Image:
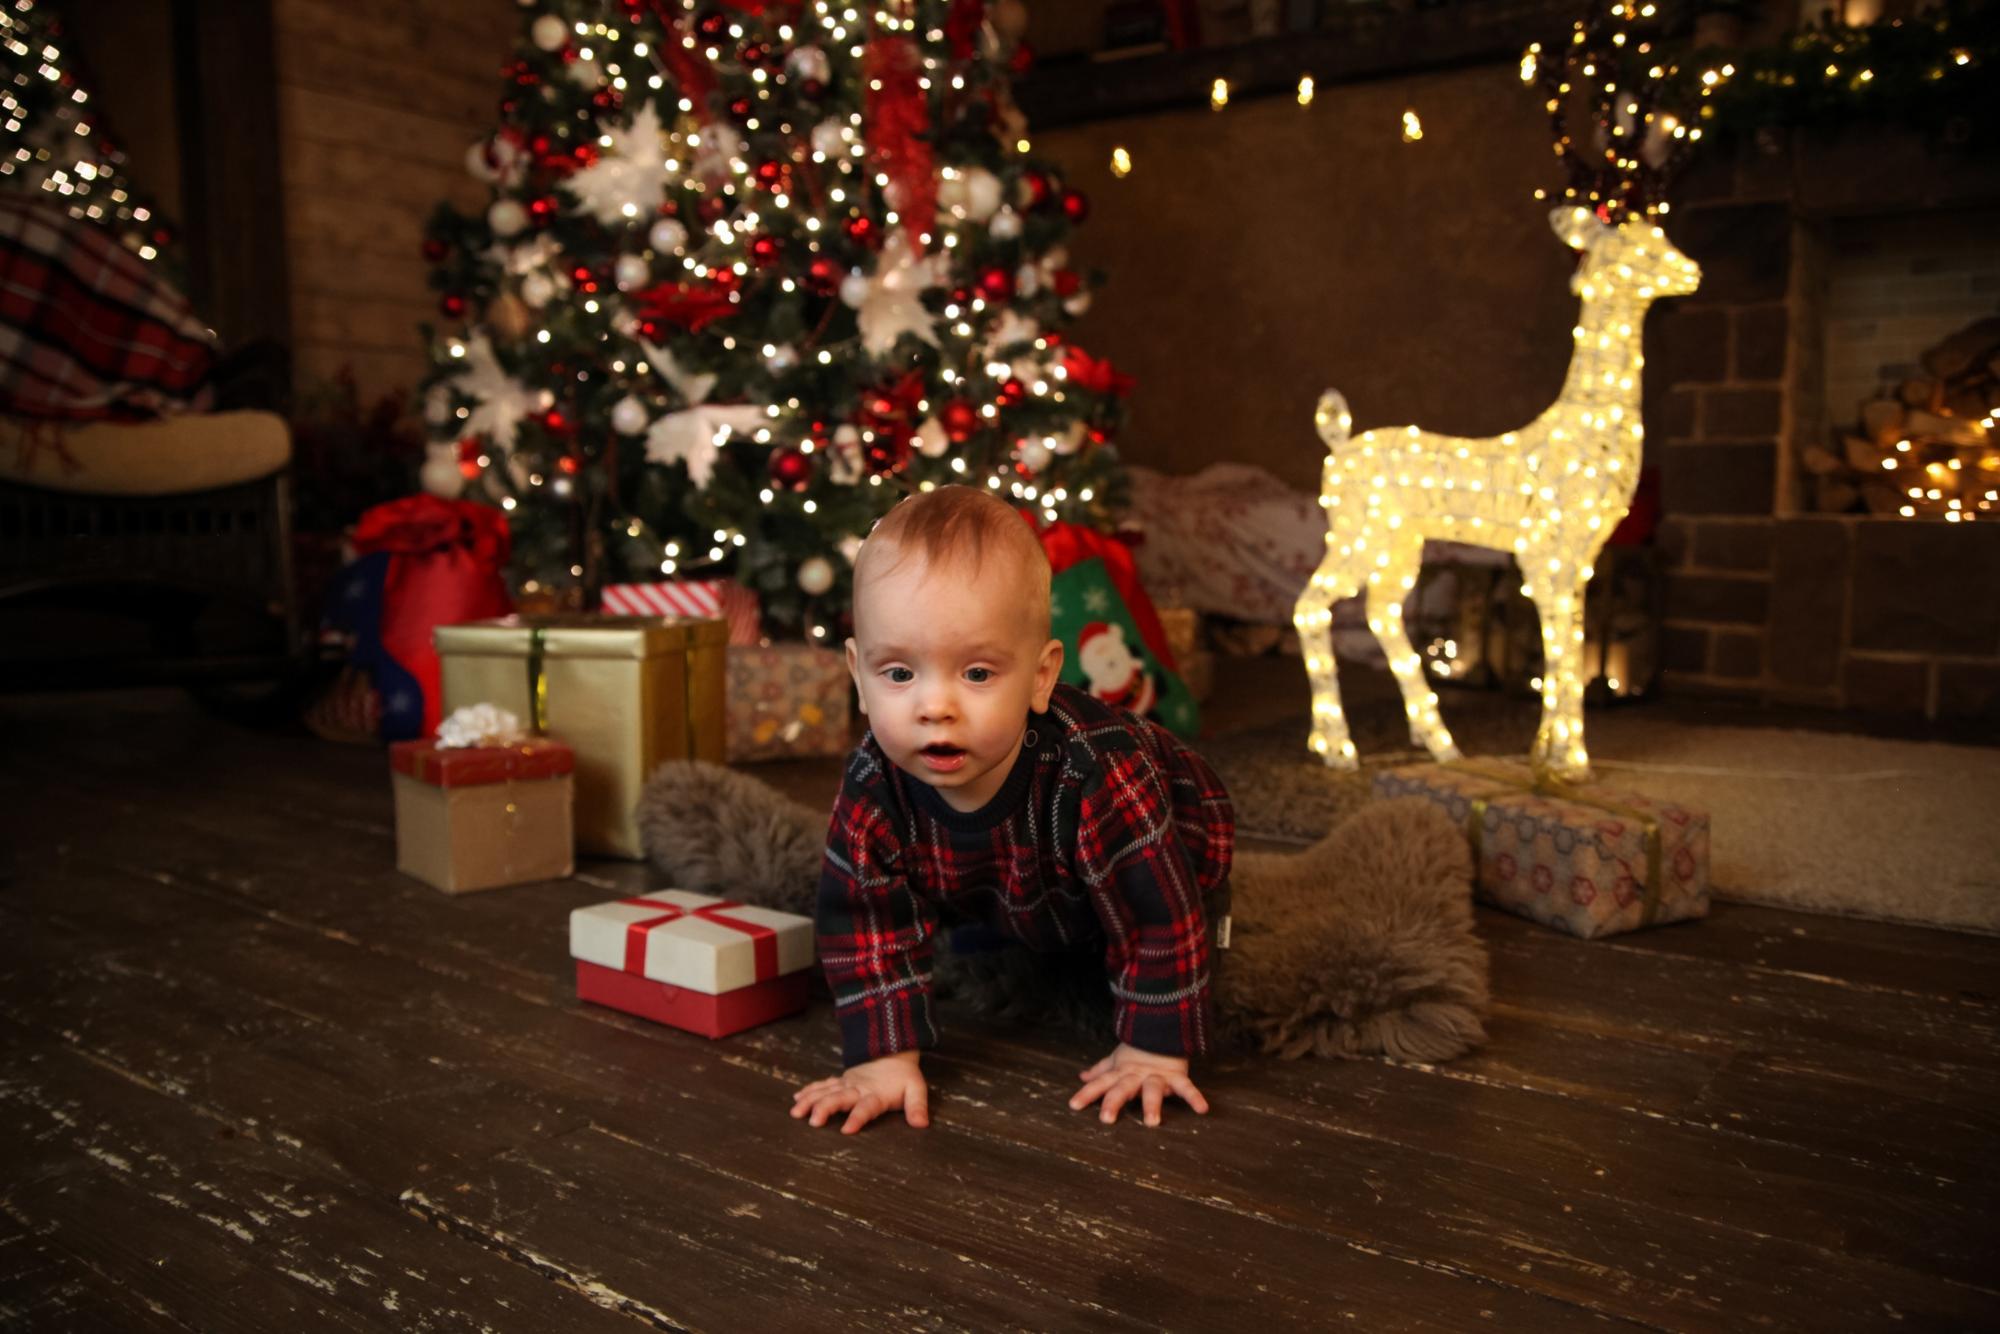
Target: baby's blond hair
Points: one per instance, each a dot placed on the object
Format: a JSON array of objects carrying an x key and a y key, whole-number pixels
[{"x": 958, "y": 523}]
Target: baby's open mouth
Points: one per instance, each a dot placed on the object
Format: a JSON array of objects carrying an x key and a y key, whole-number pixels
[{"x": 942, "y": 756}]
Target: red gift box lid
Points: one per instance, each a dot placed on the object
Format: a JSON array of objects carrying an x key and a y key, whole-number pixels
[{"x": 468, "y": 766}]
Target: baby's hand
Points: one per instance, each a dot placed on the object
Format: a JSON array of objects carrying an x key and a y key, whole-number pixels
[
  {"x": 1127, "y": 1071},
  {"x": 869, "y": 1089}
]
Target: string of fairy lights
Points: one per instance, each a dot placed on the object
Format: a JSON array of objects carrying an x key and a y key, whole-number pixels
[{"x": 50, "y": 141}]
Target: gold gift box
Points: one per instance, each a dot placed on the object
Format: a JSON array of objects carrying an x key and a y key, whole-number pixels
[{"x": 626, "y": 693}]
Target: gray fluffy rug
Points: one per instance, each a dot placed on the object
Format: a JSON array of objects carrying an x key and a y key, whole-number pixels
[{"x": 1360, "y": 944}]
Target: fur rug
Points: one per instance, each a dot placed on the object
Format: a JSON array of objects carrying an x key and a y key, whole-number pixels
[{"x": 1361, "y": 944}]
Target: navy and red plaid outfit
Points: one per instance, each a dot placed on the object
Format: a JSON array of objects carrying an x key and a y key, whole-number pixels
[{"x": 1108, "y": 834}]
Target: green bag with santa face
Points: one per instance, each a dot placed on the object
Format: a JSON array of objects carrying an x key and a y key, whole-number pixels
[{"x": 1113, "y": 644}]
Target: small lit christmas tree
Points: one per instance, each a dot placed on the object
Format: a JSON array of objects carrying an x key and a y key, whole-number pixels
[
  {"x": 750, "y": 271},
  {"x": 50, "y": 142}
]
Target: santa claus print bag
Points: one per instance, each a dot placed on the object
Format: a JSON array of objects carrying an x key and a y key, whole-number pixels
[{"x": 1113, "y": 643}]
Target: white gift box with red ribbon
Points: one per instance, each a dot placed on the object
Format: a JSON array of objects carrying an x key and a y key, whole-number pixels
[
  {"x": 710, "y": 599},
  {"x": 693, "y": 941}
]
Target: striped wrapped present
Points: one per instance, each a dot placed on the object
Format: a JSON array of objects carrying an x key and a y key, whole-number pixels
[{"x": 710, "y": 599}]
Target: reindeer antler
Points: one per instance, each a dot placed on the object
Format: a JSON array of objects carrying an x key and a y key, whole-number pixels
[{"x": 1643, "y": 148}]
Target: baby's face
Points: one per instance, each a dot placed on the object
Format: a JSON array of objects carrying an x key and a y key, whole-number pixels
[{"x": 949, "y": 663}]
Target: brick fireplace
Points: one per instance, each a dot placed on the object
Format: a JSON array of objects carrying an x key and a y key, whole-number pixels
[{"x": 1817, "y": 255}]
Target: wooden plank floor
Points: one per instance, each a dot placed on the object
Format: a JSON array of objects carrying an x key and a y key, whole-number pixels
[{"x": 252, "y": 1079}]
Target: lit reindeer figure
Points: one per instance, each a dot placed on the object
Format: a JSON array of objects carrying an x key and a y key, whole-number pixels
[{"x": 1550, "y": 493}]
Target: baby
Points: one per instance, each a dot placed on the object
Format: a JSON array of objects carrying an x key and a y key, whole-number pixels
[{"x": 987, "y": 793}]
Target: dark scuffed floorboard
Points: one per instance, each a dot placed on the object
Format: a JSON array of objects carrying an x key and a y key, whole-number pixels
[{"x": 254, "y": 1079}]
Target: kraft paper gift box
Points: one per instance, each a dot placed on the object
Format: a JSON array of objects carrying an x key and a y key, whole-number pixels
[
  {"x": 788, "y": 700},
  {"x": 1588, "y": 860},
  {"x": 708, "y": 965},
  {"x": 625, "y": 692},
  {"x": 480, "y": 817}
]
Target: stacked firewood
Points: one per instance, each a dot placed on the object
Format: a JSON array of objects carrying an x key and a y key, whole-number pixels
[{"x": 1929, "y": 448}]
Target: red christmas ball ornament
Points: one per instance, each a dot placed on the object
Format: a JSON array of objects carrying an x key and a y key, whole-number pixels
[
  {"x": 741, "y": 108},
  {"x": 961, "y": 296},
  {"x": 606, "y": 99},
  {"x": 540, "y": 145},
  {"x": 1039, "y": 188},
  {"x": 712, "y": 25},
  {"x": 770, "y": 174},
  {"x": 1066, "y": 282},
  {"x": 863, "y": 231},
  {"x": 584, "y": 155},
  {"x": 1012, "y": 392},
  {"x": 823, "y": 274},
  {"x": 435, "y": 250},
  {"x": 765, "y": 251},
  {"x": 791, "y": 469},
  {"x": 756, "y": 53},
  {"x": 1099, "y": 435},
  {"x": 996, "y": 284},
  {"x": 1075, "y": 205},
  {"x": 554, "y": 421},
  {"x": 453, "y": 305},
  {"x": 725, "y": 280},
  {"x": 543, "y": 210},
  {"x": 508, "y": 106},
  {"x": 570, "y": 464},
  {"x": 959, "y": 419}
]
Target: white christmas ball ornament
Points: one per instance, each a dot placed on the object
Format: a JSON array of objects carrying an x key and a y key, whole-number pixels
[
  {"x": 668, "y": 236},
  {"x": 537, "y": 289},
  {"x": 629, "y": 416},
  {"x": 982, "y": 194},
  {"x": 854, "y": 289},
  {"x": 829, "y": 138},
  {"x": 951, "y": 191},
  {"x": 932, "y": 439},
  {"x": 440, "y": 474},
  {"x": 1005, "y": 226},
  {"x": 632, "y": 271},
  {"x": 815, "y": 575},
  {"x": 809, "y": 62},
  {"x": 549, "y": 32},
  {"x": 507, "y": 217}
]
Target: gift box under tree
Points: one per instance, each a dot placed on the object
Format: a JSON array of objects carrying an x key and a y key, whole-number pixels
[
  {"x": 625, "y": 693},
  {"x": 704, "y": 964},
  {"x": 1589, "y": 860},
  {"x": 479, "y": 817},
  {"x": 788, "y": 700}
]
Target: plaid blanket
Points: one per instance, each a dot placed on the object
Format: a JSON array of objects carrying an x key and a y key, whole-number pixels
[{"x": 88, "y": 330}]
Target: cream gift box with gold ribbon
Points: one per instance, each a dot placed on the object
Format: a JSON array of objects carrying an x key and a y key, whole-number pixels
[{"x": 624, "y": 692}]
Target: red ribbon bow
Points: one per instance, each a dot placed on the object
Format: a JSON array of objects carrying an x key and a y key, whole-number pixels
[
  {"x": 765, "y": 940},
  {"x": 1098, "y": 376}
]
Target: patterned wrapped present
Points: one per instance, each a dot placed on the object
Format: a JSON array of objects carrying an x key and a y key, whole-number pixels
[
  {"x": 483, "y": 816},
  {"x": 703, "y": 599},
  {"x": 788, "y": 700},
  {"x": 625, "y": 692},
  {"x": 704, "y": 964},
  {"x": 1591, "y": 861}
]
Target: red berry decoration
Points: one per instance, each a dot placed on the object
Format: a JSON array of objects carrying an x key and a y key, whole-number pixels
[
  {"x": 812, "y": 90},
  {"x": 1066, "y": 282},
  {"x": 540, "y": 145},
  {"x": 863, "y": 231},
  {"x": 823, "y": 274},
  {"x": 756, "y": 53},
  {"x": 570, "y": 464},
  {"x": 606, "y": 99},
  {"x": 435, "y": 250},
  {"x": 712, "y": 25},
  {"x": 711, "y": 208},
  {"x": 886, "y": 453},
  {"x": 1013, "y": 392},
  {"x": 771, "y": 175},
  {"x": 1076, "y": 205},
  {"x": 741, "y": 108},
  {"x": 542, "y": 210},
  {"x": 554, "y": 421},
  {"x": 959, "y": 419},
  {"x": 453, "y": 305},
  {"x": 1038, "y": 188},
  {"x": 996, "y": 284},
  {"x": 1022, "y": 60},
  {"x": 765, "y": 251},
  {"x": 791, "y": 469}
]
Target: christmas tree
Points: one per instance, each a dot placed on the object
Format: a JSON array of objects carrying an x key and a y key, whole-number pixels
[
  {"x": 51, "y": 145},
  {"x": 750, "y": 272}
]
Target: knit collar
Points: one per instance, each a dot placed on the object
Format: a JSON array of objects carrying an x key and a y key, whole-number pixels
[{"x": 1003, "y": 803}]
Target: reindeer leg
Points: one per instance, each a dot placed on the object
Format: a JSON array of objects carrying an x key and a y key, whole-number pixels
[
  {"x": 1558, "y": 598},
  {"x": 1312, "y": 616},
  {"x": 1388, "y": 586}
]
